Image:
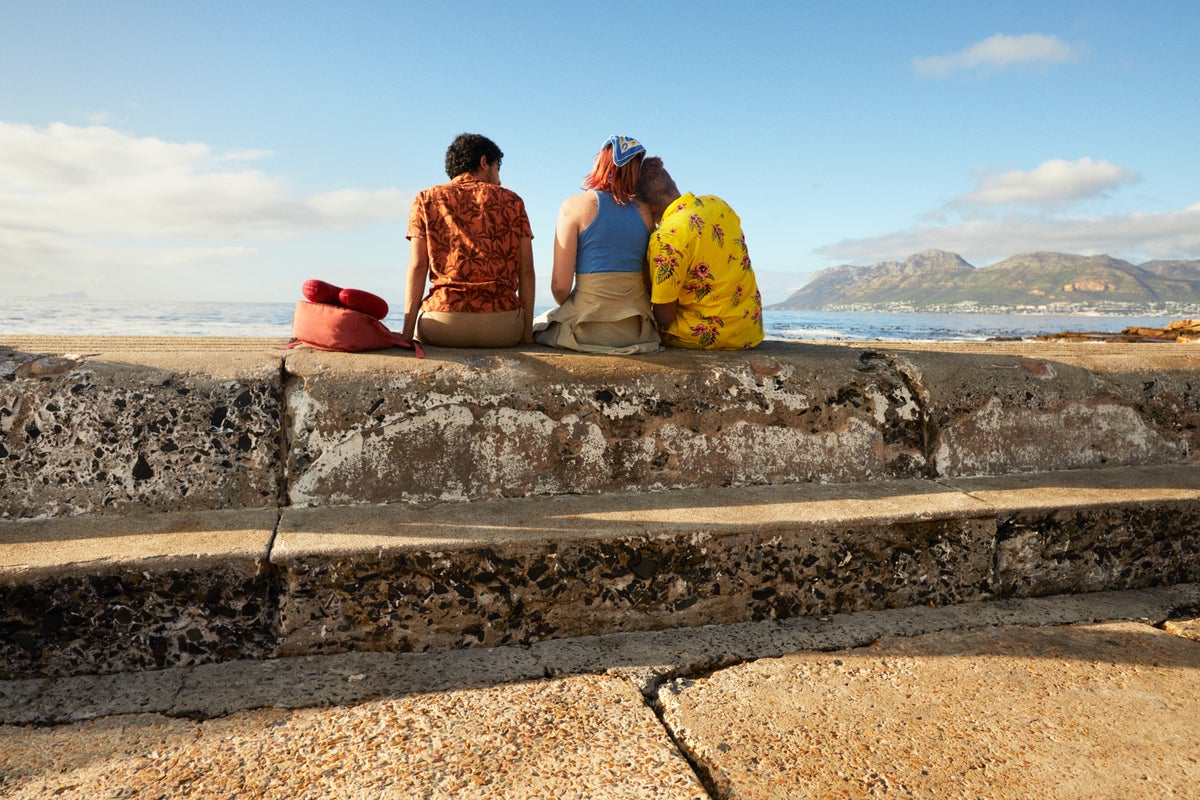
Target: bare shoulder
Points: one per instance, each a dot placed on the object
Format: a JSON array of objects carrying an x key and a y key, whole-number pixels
[
  {"x": 579, "y": 207},
  {"x": 647, "y": 214}
]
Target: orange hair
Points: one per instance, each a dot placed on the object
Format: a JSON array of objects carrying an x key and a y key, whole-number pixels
[{"x": 620, "y": 182}]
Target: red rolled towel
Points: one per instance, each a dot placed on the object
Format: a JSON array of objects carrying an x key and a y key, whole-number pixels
[
  {"x": 321, "y": 292},
  {"x": 317, "y": 291},
  {"x": 370, "y": 304}
]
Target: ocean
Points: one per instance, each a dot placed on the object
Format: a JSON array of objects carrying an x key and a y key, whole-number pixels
[{"x": 94, "y": 318}]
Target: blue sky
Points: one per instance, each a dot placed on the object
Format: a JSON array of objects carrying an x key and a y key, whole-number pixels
[{"x": 231, "y": 150}]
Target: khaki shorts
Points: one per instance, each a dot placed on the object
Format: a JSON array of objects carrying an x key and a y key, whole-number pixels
[{"x": 469, "y": 329}]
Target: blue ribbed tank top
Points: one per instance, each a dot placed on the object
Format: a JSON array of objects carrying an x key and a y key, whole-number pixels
[{"x": 615, "y": 241}]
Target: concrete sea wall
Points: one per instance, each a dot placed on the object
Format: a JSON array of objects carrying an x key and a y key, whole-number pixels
[
  {"x": 194, "y": 426},
  {"x": 178, "y": 501}
]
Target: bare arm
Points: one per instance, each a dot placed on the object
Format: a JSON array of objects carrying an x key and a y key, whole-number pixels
[
  {"x": 414, "y": 285},
  {"x": 647, "y": 217},
  {"x": 664, "y": 313},
  {"x": 566, "y": 244},
  {"x": 527, "y": 288}
]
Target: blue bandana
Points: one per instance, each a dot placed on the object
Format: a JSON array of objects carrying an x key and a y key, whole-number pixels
[{"x": 624, "y": 149}]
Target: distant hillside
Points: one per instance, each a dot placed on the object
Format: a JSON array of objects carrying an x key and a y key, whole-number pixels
[
  {"x": 937, "y": 279},
  {"x": 1181, "y": 270}
]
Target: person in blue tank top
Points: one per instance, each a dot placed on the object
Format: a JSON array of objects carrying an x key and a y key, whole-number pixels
[{"x": 599, "y": 274}]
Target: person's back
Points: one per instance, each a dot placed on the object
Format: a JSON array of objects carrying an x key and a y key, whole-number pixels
[
  {"x": 703, "y": 288},
  {"x": 471, "y": 231},
  {"x": 599, "y": 259},
  {"x": 615, "y": 240},
  {"x": 471, "y": 240}
]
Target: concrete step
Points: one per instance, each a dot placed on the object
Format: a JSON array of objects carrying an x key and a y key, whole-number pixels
[
  {"x": 101, "y": 594},
  {"x": 1070, "y": 697}
]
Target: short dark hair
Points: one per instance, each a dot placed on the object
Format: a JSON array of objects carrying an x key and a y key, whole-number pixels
[
  {"x": 655, "y": 185},
  {"x": 463, "y": 153}
]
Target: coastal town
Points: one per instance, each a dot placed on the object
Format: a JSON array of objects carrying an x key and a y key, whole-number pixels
[{"x": 1103, "y": 309}]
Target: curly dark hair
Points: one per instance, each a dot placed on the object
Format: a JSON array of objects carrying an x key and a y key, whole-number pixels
[
  {"x": 463, "y": 153},
  {"x": 654, "y": 184}
]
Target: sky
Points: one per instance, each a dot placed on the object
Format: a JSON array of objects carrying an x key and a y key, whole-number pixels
[{"x": 210, "y": 150}]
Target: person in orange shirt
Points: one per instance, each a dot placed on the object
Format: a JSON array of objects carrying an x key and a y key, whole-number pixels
[{"x": 472, "y": 242}]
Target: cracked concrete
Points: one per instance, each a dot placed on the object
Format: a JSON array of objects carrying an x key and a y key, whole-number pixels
[
  {"x": 964, "y": 697},
  {"x": 1019, "y": 698}
]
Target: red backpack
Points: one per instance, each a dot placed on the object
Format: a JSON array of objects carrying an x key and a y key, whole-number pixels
[{"x": 345, "y": 320}]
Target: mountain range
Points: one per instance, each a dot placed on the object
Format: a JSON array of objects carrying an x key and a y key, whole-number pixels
[{"x": 938, "y": 279}]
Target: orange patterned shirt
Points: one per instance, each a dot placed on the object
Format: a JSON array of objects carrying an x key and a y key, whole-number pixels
[{"x": 473, "y": 232}]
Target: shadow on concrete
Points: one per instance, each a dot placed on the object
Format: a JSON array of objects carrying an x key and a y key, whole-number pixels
[{"x": 1019, "y": 629}]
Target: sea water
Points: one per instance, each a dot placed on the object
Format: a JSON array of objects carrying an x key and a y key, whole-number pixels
[
  {"x": 95, "y": 318},
  {"x": 913, "y": 326}
]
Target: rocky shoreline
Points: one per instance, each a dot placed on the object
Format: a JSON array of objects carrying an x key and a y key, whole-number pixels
[{"x": 1185, "y": 330}]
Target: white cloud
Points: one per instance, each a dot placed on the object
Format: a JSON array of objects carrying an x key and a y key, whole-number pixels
[
  {"x": 96, "y": 181},
  {"x": 1051, "y": 182},
  {"x": 997, "y": 53},
  {"x": 1134, "y": 236},
  {"x": 79, "y": 201},
  {"x": 972, "y": 226}
]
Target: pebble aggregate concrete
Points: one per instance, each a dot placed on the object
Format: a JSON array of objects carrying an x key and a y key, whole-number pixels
[
  {"x": 1012, "y": 699},
  {"x": 1095, "y": 711},
  {"x": 581, "y": 737}
]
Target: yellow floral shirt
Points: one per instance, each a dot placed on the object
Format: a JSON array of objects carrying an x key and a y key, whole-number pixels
[{"x": 698, "y": 259}]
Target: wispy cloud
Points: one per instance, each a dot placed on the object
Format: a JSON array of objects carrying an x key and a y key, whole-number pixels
[
  {"x": 97, "y": 181},
  {"x": 997, "y": 53},
  {"x": 87, "y": 204},
  {"x": 1052, "y": 182},
  {"x": 1135, "y": 236},
  {"x": 1025, "y": 211}
]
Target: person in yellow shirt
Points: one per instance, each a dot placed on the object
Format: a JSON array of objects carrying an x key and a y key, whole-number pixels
[{"x": 702, "y": 287}]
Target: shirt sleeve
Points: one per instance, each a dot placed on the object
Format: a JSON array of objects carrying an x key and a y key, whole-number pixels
[
  {"x": 521, "y": 224},
  {"x": 668, "y": 264},
  {"x": 416, "y": 218}
]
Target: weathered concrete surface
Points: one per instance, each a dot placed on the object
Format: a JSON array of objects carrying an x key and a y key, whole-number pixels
[
  {"x": 1064, "y": 532},
  {"x": 648, "y": 658},
  {"x": 103, "y": 427},
  {"x": 104, "y": 594},
  {"x": 1066, "y": 701},
  {"x": 454, "y": 575},
  {"x": 1147, "y": 398},
  {"x": 383, "y": 429},
  {"x": 1189, "y": 628},
  {"x": 581, "y": 737},
  {"x": 108, "y": 424},
  {"x": 1095, "y": 711},
  {"x": 111, "y": 426},
  {"x": 1003, "y": 414},
  {"x": 458, "y": 575},
  {"x": 463, "y": 426}
]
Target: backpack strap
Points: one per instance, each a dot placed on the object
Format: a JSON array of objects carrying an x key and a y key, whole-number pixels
[{"x": 414, "y": 345}]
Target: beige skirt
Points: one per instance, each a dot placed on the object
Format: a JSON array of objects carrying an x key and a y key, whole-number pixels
[
  {"x": 470, "y": 329},
  {"x": 608, "y": 312}
]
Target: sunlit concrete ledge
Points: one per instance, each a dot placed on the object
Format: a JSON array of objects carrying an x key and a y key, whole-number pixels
[
  {"x": 116, "y": 426},
  {"x": 99, "y": 594},
  {"x": 173, "y": 501}
]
